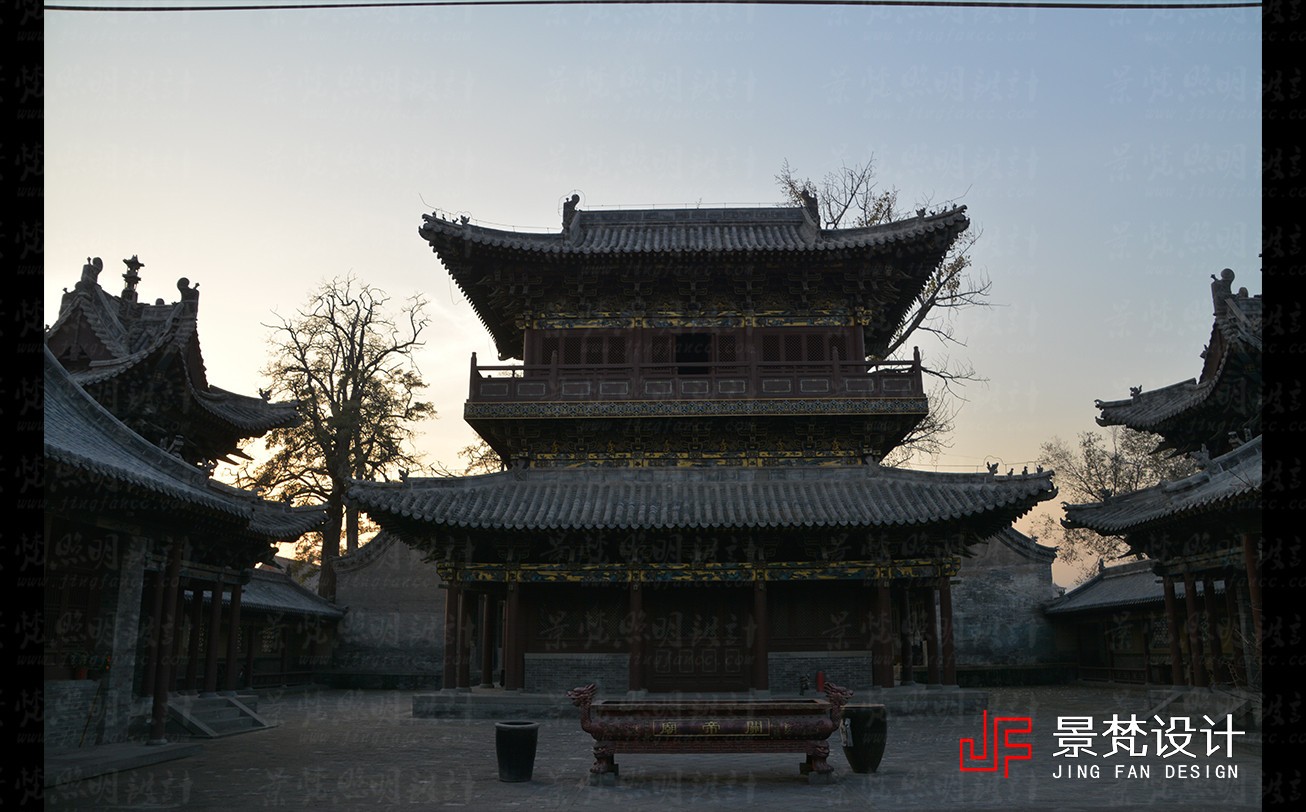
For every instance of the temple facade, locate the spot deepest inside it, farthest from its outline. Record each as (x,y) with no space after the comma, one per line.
(1200,535)
(692,497)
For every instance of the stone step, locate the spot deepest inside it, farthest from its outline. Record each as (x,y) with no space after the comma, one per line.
(212,717)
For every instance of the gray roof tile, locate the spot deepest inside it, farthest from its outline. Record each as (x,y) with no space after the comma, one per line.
(640,231)
(153,329)
(1237,333)
(271,591)
(1129,584)
(1232,478)
(666,498)
(82,434)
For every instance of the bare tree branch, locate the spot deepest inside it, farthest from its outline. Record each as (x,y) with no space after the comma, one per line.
(851,196)
(1100,465)
(351,369)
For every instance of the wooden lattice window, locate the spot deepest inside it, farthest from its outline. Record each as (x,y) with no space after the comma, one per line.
(838,348)
(793,345)
(726,349)
(617,350)
(271,642)
(549,346)
(572,350)
(662,350)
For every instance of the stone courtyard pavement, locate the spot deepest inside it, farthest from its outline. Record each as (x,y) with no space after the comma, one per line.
(364,750)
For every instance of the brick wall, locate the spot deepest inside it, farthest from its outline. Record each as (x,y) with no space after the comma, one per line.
(997,606)
(67,707)
(559,673)
(394,624)
(849,669)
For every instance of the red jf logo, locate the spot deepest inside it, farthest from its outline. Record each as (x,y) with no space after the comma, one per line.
(1010,749)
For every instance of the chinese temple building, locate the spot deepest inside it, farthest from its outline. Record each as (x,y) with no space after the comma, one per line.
(1201,534)
(146,556)
(692,498)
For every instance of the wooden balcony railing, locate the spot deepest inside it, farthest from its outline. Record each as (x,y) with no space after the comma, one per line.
(694,381)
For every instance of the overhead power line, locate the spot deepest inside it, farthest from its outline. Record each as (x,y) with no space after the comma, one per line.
(430,3)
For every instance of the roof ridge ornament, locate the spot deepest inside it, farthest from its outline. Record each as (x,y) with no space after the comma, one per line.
(189,292)
(1221,289)
(811,206)
(569,212)
(91,271)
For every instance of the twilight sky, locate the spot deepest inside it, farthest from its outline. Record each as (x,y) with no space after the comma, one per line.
(1110,158)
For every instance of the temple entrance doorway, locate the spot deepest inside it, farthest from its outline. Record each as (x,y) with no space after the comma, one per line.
(698,639)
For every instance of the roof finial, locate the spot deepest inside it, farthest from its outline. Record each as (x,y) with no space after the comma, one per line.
(91,270)
(188,293)
(131,278)
(1221,289)
(809,203)
(569,212)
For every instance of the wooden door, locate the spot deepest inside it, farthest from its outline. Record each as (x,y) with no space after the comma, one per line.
(698,639)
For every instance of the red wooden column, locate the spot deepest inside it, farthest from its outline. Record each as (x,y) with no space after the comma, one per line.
(174,654)
(761,638)
(1254,589)
(255,640)
(152,643)
(908,674)
(933,674)
(167,635)
(513,677)
(882,644)
(452,598)
(948,656)
(1194,632)
(1147,650)
(1237,668)
(233,646)
(1212,629)
(215,631)
(1177,675)
(194,622)
(635,668)
(488,624)
(466,621)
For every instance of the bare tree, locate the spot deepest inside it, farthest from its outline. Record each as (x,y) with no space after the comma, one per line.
(850,197)
(350,366)
(481,459)
(1103,464)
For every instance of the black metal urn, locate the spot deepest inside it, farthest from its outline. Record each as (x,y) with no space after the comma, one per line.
(863,732)
(514,743)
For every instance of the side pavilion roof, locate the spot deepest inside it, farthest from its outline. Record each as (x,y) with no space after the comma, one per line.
(1232,480)
(99,460)
(101,338)
(1227,395)
(676,498)
(1134,584)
